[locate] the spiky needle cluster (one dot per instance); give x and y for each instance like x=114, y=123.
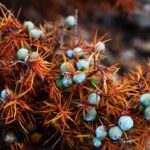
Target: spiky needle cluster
x=55, y=92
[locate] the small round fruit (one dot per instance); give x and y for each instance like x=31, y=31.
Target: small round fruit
x=78, y=51
x=145, y=99
x=83, y=64
x=33, y=55
x=69, y=53
x=97, y=142
x=22, y=54
x=125, y=123
x=101, y=132
x=79, y=78
x=90, y=114
x=90, y=60
x=147, y=113
x=70, y=21
x=94, y=98
x=59, y=83
x=29, y=25
x=100, y=46
x=36, y=33
x=66, y=82
x=5, y=94
x=9, y=138
x=66, y=67
x=94, y=81
x=115, y=133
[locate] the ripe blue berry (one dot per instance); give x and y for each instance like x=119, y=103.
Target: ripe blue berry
x=5, y=94
x=9, y=138
x=145, y=99
x=22, y=54
x=36, y=33
x=115, y=133
x=100, y=46
x=147, y=113
x=97, y=142
x=70, y=21
x=101, y=132
x=93, y=98
x=29, y=25
x=79, y=78
x=78, y=51
x=33, y=55
x=90, y=114
x=66, y=67
x=66, y=82
x=69, y=53
x=83, y=64
x=125, y=123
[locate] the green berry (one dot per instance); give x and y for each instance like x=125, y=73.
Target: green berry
x=66, y=82
x=93, y=98
x=97, y=142
x=59, y=83
x=29, y=25
x=36, y=33
x=125, y=123
x=22, y=54
x=115, y=133
x=79, y=78
x=145, y=99
x=101, y=132
x=83, y=64
x=147, y=113
x=90, y=114
x=70, y=21
x=94, y=81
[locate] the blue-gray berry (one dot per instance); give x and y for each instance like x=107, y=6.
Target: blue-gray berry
x=22, y=54
x=145, y=99
x=101, y=132
x=94, y=98
x=125, y=123
x=97, y=142
x=90, y=114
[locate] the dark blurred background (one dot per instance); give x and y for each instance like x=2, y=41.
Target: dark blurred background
x=127, y=21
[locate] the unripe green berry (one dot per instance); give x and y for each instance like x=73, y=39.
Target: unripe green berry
x=22, y=54
x=125, y=123
x=93, y=98
x=59, y=83
x=115, y=133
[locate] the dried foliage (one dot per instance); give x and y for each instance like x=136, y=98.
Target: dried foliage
x=38, y=107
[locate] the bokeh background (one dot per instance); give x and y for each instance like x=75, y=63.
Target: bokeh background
x=127, y=21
